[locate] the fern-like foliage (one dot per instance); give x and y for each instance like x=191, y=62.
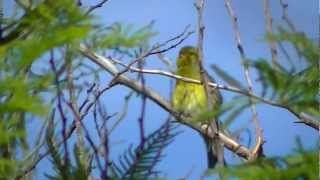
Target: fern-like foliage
x=292, y=85
x=301, y=165
x=296, y=86
x=121, y=38
x=139, y=163
x=65, y=169
x=25, y=39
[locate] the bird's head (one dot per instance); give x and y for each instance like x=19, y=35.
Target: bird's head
x=188, y=55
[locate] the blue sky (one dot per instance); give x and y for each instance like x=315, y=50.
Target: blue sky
x=187, y=152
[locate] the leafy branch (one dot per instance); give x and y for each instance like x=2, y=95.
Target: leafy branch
x=139, y=163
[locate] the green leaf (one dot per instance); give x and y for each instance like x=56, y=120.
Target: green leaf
x=123, y=36
x=305, y=46
x=226, y=77
x=238, y=105
x=140, y=162
x=299, y=166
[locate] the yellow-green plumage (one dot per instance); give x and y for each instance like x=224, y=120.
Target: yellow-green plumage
x=190, y=99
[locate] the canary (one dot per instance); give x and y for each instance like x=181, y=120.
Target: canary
x=191, y=100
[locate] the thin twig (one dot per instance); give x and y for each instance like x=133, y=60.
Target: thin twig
x=93, y=146
x=106, y=150
x=285, y=15
x=141, y=119
x=166, y=61
x=268, y=21
x=156, y=159
x=314, y=122
x=228, y=142
x=67, y=135
x=1, y=18
x=156, y=50
x=218, y=148
x=190, y=80
x=308, y=120
x=234, y=19
x=39, y=142
x=60, y=108
x=123, y=113
x=204, y=79
x=98, y=5
x=105, y=63
x=287, y=56
x=73, y=100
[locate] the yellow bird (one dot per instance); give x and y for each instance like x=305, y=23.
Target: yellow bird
x=190, y=99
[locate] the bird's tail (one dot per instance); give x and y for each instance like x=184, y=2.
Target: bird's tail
x=215, y=153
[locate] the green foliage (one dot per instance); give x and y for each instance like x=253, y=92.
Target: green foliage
x=7, y=167
x=125, y=36
x=140, y=162
x=226, y=77
x=303, y=45
x=122, y=37
x=296, y=88
x=57, y=24
x=41, y=28
x=233, y=109
x=20, y=97
x=65, y=169
x=49, y=25
x=302, y=165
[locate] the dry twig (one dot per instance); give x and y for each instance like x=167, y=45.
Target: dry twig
x=268, y=21
x=259, y=135
x=106, y=63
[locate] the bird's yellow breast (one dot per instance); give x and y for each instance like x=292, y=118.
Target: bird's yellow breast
x=189, y=98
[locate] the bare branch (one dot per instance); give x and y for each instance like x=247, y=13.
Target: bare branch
x=106, y=63
x=1, y=18
x=204, y=80
x=156, y=50
x=67, y=133
x=122, y=114
x=314, y=123
x=309, y=120
x=214, y=125
x=285, y=15
x=141, y=119
x=73, y=100
x=92, y=8
x=234, y=19
x=268, y=21
x=60, y=108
